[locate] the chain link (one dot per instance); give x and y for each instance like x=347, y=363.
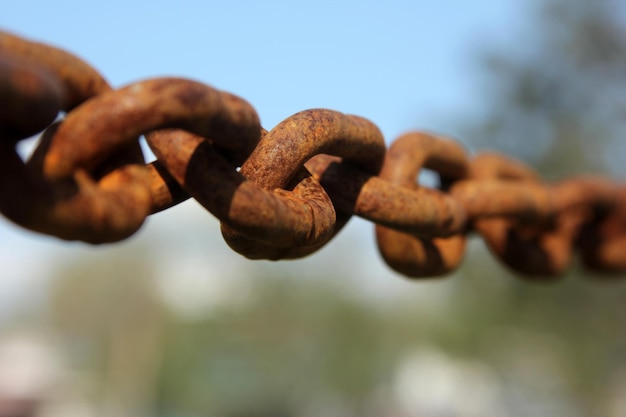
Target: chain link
x=282, y=193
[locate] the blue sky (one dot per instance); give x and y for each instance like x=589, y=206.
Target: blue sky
x=402, y=64
x=398, y=63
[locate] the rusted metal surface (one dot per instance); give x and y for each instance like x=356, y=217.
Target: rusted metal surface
x=277, y=164
x=80, y=81
x=421, y=256
x=530, y=225
x=35, y=96
x=283, y=193
x=105, y=208
x=603, y=240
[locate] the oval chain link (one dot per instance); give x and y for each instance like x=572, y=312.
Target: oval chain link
x=278, y=194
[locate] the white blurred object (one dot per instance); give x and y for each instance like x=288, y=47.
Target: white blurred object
x=34, y=381
x=29, y=369
x=429, y=383
x=617, y=396
x=194, y=287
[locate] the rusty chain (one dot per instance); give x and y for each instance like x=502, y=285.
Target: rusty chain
x=282, y=193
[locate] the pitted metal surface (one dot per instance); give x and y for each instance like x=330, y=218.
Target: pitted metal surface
x=282, y=193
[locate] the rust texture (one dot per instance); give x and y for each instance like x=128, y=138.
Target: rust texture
x=80, y=81
x=277, y=164
x=419, y=256
x=113, y=119
x=282, y=193
x=105, y=208
x=532, y=226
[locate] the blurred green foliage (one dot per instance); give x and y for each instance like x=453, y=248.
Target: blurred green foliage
x=555, y=99
x=311, y=347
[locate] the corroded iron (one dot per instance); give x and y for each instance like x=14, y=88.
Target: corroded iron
x=278, y=194
x=530, y=225
x=420, y=256
x=603, y=241
x=277, y=164
x=38, y=82
x=80, y=81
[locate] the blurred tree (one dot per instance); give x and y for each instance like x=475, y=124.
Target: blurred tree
x=104, y=305
x=295, y=348
x=556, y=99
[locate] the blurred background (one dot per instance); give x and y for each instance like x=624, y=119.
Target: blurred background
x=172, y=323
